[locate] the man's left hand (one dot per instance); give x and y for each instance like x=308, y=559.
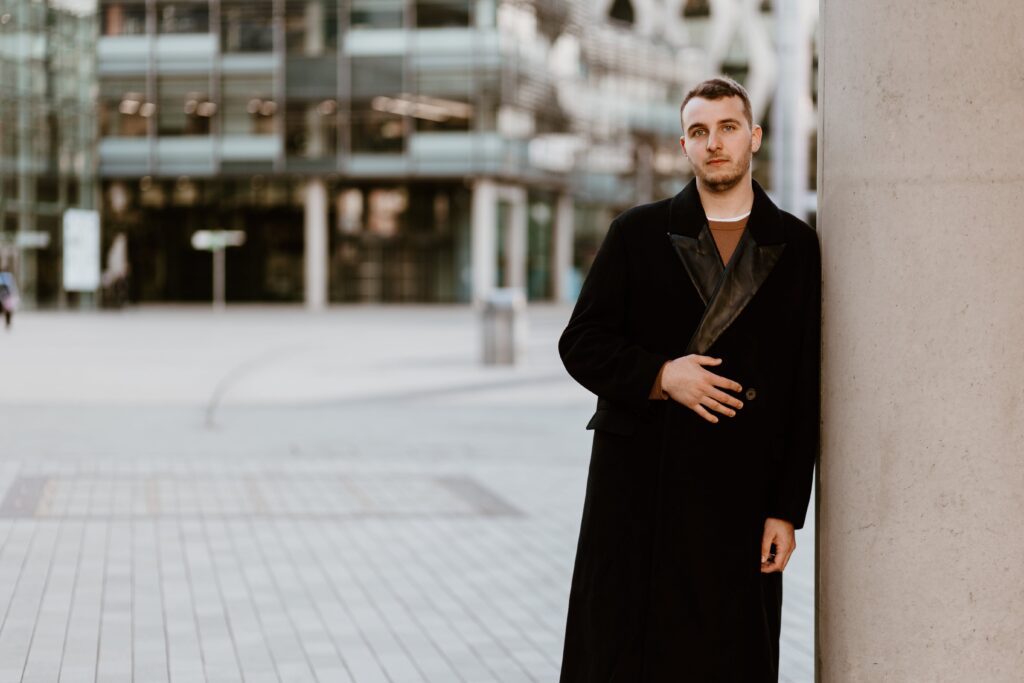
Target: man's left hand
x=781, y=533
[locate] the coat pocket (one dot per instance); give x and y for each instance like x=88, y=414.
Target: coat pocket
x=613, y=421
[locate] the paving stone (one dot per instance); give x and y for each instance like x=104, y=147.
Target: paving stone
x=369, y=505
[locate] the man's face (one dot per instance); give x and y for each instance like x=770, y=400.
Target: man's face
x=718, y=141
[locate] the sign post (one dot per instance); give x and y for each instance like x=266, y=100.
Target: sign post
x=216, y=241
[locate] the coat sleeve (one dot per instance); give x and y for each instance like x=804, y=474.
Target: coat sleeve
x=791, y=490
x=595, y=347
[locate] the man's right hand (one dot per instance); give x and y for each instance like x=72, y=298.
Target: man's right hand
x=686, y=381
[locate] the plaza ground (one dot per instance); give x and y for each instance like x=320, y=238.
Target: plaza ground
x=268, y=494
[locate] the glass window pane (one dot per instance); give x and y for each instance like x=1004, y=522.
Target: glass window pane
x=436, y=114
x=184, y=106
x=124, y=19
x=311, y=129
x=249, y=105
x=123, y=108
x=376, y=131
x=183, y=17
x=376, y=76
x=442, y=13
x=246, y=26
x=376, y=14
x=310, y=26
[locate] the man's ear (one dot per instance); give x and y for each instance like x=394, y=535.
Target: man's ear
x=682, y=143
x=755, y=138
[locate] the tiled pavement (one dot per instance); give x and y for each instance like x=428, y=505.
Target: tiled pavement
x=273, y=496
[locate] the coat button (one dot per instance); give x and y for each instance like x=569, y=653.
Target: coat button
x=750, y=393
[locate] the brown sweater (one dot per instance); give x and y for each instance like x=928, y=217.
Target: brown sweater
x=727, y=235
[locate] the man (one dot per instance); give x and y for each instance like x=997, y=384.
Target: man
x=698, y=328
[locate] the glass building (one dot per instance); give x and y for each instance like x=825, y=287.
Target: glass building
x=47, y=138
x=386, y=150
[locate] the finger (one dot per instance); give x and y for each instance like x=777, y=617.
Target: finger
x=707, y=360
x=766, y=545
x=772, y=563
x=785, y=559
x=725, y=398
x=699, y=409
x=716, y=406
x=786, y=555
x=723, y=382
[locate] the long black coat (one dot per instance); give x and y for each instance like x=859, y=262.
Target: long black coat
x=667, y=583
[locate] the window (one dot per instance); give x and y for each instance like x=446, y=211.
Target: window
x=124, y=19
x=442, y=13
x=124, y=109
x=183, y=17
x=376, y=14
x=437, y=114
x=249, y=105
x=311, y=26
x=246, y=26
x=184, y=106
x=697, y=8
x=372, y=76
x=375, y=130
x=622, y=10
x=311, y=129
x=379, y=105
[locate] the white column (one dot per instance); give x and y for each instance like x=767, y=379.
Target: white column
x=792, y=124
x=563, y=242
x=314, y=20
x=921, y=549
x=516, y=238
x=316, y=244
x=315, y=139
x=483, y=238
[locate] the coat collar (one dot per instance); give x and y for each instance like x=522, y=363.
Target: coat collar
x=724, y=291
x=687, y=217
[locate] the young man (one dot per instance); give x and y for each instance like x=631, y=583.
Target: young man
x=698, y=328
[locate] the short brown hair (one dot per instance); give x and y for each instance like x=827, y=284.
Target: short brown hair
x=716, y=89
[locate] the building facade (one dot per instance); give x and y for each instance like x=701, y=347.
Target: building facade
x=47, y=138
x=393, y=150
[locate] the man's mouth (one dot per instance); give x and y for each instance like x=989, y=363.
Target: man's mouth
x=717, y=161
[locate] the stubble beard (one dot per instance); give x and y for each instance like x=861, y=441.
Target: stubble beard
x=726, y=181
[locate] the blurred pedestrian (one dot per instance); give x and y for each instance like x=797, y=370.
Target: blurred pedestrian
x=114, y=280
x=698, y=328
x=9, y=298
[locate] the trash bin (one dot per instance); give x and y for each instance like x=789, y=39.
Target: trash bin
x=504, y=326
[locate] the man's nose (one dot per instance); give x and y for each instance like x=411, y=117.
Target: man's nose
x=713, y=141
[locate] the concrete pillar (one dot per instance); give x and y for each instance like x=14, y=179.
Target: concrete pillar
x=516, y=239
x=921, y=553
x=314, y=20
x=563, y=242
x=483, y=238
x=316, y=244
x=316, y=143
x=792, y=117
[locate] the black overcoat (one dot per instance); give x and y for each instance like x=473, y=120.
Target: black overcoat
x=667, y=583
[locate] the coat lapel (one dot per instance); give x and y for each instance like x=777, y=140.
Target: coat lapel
x=725, y=290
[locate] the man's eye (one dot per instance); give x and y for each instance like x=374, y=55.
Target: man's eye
x=697, y=132
x=729, y=127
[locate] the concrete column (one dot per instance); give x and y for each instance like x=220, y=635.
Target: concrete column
x=921, y=553
x=316, y=244
x=314, y=20
x=792, y=117
x=517, y=238
x=562, y=257
x=315, y=140
x=483, y=238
